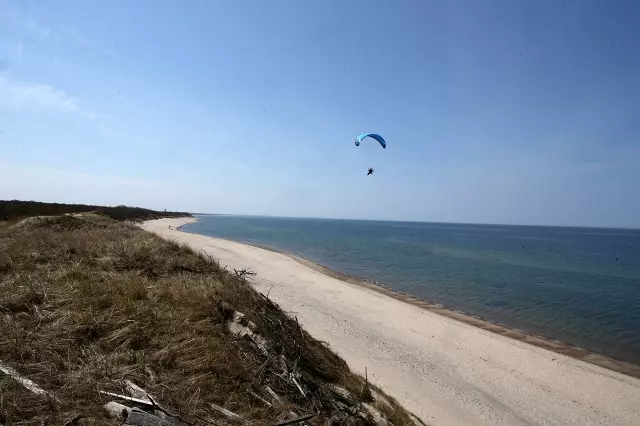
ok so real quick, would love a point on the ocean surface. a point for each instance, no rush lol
(577, 285)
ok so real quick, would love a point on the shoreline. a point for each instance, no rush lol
(445, 366)
(556, 346)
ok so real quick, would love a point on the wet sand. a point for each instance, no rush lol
(447, 367)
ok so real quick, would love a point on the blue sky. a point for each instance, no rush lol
(494, 111)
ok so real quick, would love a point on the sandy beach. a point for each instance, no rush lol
(448, 372)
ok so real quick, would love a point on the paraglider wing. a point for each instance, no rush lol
(371, 135)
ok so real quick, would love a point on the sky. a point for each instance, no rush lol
(498, 111)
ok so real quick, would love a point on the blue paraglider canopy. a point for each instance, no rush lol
(373, 136)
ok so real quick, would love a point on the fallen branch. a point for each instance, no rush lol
(129, 398)
(243, 273)
(28, 384)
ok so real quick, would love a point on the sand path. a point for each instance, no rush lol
(445, 371)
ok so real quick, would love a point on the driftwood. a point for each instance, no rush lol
(240, 330)
(130, 399)
(228, 414)
(28, 384)
(160, 417)
(243, 273)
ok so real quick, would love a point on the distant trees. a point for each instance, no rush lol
(16, 209)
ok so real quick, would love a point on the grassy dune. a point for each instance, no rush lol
(87, 302)
(13, 210)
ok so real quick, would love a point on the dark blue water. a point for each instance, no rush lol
(577, 285)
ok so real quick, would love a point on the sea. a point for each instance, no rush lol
(576, 285)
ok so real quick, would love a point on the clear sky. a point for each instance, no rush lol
(498, 111)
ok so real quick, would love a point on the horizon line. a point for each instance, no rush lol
(420, 221)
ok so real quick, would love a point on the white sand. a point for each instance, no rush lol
(445, 371)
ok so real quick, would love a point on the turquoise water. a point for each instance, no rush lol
(577, 285)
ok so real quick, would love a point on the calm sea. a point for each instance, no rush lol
(577, 285)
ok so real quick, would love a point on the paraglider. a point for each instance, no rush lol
(375, 136)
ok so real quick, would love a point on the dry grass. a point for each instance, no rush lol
(86, 302)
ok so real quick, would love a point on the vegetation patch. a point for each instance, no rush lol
(91, 308)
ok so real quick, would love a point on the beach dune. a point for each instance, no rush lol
(446, 371)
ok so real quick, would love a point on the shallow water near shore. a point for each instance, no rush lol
(577, 285)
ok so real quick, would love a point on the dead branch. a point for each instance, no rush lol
(129, 398)
(243, 274)
(28, 384)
